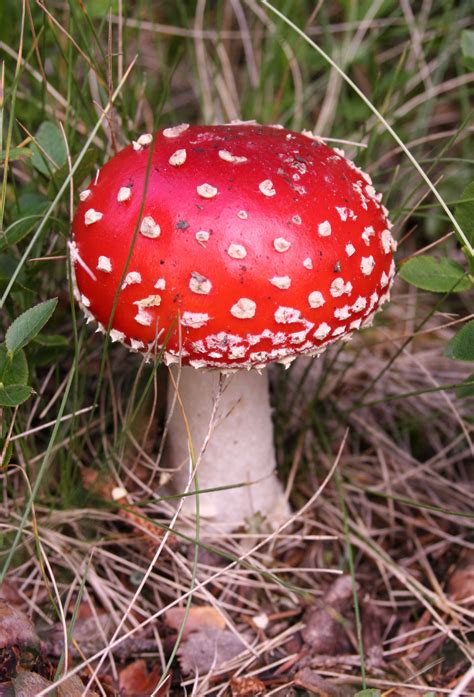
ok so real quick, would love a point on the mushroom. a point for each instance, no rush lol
(254, 244)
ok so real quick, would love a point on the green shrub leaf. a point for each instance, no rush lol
(370, 692)
(13, 368)
(466, 389)
(29, 324)
(49, 150)
(465, 211)
(438, 275)
(461, 346)
(13, 395)
(467, 46)
(88, 162)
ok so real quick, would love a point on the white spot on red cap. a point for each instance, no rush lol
(144, 318)
(132, 278)
(282, 282)
(84, 195)
(202, 236)
(296, 219)
(237, 351)
(350, 249)
(124, 194)
(297, 337)
(368, 233)
(85, 301)
(339, 287)
(237, 251)
(367, 265)
(308, 263)
(374, 299)
(150, 228)
(228, 157)
(116, 335)
(322, 331)
(178, 158)
(266, 187)
(281, 245)
(206, 190)
(136, 345)
(287, 315)
(160, 284)
(149, 301)
(316, 299)
(370, 191)
(342, 312)
(92, 216)
(356, 323)
(243, 215)
(345, 213)
(388, 243)
(199, 284)
(244, 308)
(104, 264)
(384, 280)
(338, 331)
(360, 304)
(175, 131)
(142, 142)
(324, 229)
(194, 319)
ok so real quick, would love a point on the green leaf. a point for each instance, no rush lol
(370, 692)
(15, 154)
(13, 369)
(464, 211)
(438, 275)
(467, 46)
(52, 341)
(22, 227)
(466, 389)
(8, 265)
(461, 346)
(29, 324)
(87, 164)
(7, 456)
(13, 395)
(100, 8)
(49, 149)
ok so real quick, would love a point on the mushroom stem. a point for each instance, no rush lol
(239, 449)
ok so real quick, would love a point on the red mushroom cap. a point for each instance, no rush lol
(254, 244)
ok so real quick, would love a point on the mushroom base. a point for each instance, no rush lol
(233, 448)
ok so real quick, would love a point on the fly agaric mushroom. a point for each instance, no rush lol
(252, 244)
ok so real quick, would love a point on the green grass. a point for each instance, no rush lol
(389, 82)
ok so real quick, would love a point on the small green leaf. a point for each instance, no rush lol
(467, 45)
(22, 227)
(52, 340)
(100, 8)
(15, 154)
(438, 275)
(466, 389)
(86, 166)
(13, 395)
(13, 369)
(49, 149)
(7, 455)
(29, 324)
(461, 346)
(465, 211)
(370, 692)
